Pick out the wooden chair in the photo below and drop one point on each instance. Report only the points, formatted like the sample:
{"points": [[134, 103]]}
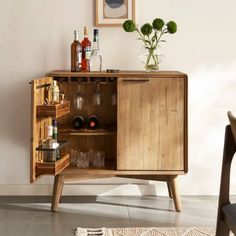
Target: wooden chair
{"points": [[226, 220]]}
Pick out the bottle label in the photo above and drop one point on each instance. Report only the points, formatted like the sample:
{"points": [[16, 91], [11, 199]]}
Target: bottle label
{"points": [[55, 96], [79, 55], [87, 52], [54, 135]]}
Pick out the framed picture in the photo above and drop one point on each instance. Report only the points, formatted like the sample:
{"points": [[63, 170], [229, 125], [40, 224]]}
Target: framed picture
{"points": [[109, 13]]}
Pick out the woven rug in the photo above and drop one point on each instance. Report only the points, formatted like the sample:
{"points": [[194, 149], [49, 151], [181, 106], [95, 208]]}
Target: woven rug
{"points": [[194, 231]]}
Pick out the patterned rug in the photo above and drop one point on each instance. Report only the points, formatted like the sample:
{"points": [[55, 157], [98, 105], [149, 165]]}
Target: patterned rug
{"points": [[194, 231]]}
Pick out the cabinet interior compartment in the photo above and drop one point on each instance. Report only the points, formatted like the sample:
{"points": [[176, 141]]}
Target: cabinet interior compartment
{"points": [[103, 138]]}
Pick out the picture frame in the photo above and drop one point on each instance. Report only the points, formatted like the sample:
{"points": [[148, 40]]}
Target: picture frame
{"points": [[113, 13]]}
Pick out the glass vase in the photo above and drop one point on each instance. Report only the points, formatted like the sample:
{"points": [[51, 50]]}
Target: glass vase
{"points": [[151, 58]]}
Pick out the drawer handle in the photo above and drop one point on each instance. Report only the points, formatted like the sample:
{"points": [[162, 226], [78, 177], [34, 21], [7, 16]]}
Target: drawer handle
{"points": [[136, 80]]}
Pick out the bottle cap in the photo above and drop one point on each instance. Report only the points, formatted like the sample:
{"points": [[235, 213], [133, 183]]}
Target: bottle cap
{"points": [[85, 31], [54, 122], [95, 31]]}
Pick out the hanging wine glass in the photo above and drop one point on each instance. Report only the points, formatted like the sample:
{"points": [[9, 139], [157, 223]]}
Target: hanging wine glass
{"points": [[79, 99], [114, 96], [97, 97]]}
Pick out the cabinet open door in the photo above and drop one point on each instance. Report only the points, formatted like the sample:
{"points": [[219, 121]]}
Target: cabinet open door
{"points": [[152, 128], [41, 118]]}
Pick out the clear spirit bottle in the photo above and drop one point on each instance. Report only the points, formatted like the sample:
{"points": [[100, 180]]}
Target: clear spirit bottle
{"points": [[96, 57]]}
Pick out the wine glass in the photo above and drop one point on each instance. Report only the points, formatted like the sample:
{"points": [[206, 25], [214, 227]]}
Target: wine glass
{"points": [[97, 97], [79, 98]]}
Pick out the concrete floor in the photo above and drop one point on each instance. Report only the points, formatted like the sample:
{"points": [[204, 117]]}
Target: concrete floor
{"points": [[35, 219]]}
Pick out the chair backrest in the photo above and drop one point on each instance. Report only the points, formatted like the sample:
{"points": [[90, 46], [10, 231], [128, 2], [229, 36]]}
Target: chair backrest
{"points": [[232, 120]]}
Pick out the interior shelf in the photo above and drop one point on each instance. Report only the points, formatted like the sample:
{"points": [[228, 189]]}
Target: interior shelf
{"points": [[101, 131]]}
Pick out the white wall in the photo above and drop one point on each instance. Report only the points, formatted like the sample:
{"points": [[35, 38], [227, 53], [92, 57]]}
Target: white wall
{"points": [[35, 37]]}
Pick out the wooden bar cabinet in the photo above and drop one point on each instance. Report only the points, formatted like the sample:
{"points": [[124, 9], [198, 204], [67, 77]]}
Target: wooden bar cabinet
{"points": [[144, 135]]}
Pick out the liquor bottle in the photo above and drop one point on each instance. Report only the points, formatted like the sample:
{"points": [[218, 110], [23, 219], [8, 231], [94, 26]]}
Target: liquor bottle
{"points": [[92, 122], [55, 92], [76, 53], [51, 143], [78, 122], [96, 57], [54, 137], [86, 51], [54, 132]]}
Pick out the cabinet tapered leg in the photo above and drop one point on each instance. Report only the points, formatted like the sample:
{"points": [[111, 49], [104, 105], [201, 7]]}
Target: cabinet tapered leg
{"points": [[57, 190], [169, 189], [176, 196]]}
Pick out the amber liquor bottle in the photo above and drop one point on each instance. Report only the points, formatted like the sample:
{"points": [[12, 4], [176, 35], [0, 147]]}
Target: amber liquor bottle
{"points": [[76, 53], [86, 51]]}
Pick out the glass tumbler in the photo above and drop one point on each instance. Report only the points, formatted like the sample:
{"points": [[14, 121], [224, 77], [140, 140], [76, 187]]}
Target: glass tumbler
{"points": [[99, 159], [83, 160]]}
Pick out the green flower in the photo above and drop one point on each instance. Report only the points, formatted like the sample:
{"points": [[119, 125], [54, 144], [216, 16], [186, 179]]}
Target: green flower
{"points": [[171, 27], [158, 23], [146, 29], [129, 26]]}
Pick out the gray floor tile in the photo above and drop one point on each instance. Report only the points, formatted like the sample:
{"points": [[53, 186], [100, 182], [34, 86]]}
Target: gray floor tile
{"points": [[105, 211], [196, 212], [20, 213], [47, 230], [13, 228], [83, 213]]}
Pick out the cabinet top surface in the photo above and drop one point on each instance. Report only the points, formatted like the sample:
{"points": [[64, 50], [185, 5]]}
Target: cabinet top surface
{"points": [[67, 73]]}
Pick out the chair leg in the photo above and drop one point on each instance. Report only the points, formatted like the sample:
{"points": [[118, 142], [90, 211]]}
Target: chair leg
{"points": [[57, 190], [221, 229], [169, 189], [176, 196]]}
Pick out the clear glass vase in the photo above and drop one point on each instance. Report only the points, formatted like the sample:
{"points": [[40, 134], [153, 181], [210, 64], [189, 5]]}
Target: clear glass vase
{"points": [[151, 58]]}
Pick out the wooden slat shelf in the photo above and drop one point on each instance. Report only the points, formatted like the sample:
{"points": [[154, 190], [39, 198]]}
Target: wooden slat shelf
{"points": [[53, 111], [53, 168], [67, 129]]}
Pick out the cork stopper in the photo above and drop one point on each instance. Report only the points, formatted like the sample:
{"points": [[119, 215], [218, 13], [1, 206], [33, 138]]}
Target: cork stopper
{"points": [[86, 31]]}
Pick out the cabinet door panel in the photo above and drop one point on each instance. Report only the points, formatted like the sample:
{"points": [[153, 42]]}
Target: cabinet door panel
{"points": [[38, 126], [151, 124]]}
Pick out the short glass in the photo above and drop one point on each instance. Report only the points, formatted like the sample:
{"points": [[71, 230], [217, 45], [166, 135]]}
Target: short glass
{"points": [[99, 159], [73, 157], [83, 160]]}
